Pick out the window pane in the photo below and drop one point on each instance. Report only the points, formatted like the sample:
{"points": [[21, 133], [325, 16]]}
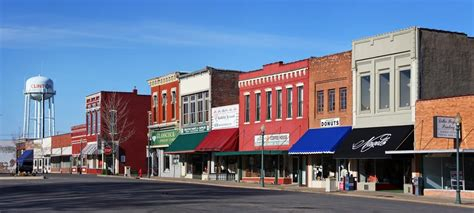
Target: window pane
{"points": [[269, 105], [343, 98], [163, 109], [193, 112], [365, 93], [200, 112], [300, 101], [405, 76], [331, 100], [289, 101], [320, 101], [247, 108], [384, 91], [258, 105], [279, 103]]}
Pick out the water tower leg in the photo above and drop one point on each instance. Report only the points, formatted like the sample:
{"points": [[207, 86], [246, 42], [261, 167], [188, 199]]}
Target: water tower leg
{"points": [[25, 119], [53, 115]]}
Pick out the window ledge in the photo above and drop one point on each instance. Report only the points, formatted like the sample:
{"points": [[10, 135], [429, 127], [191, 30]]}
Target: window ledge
{"points": [[246, 122], [299, 117], [278, 119], [289, 119], [257, 122], [268, 120]]}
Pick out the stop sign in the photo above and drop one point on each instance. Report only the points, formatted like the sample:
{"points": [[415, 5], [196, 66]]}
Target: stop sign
{"points": [[107, 150]]}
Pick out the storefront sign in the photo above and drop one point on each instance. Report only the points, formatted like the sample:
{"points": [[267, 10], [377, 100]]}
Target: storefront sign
{"points": [[165, 137], [330, 122], [364, 145], [273, 140], [225, 117], [444, 127], [195, 129]]}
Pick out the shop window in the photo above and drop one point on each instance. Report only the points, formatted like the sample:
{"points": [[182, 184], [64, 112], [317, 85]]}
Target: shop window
{"points": [[342, 98], [331, 100], [404, 92], [258, 103], [384, 91], [320, 100], [300, 101], [365, 93], [279, 104], [247, 108], [167, 162]]}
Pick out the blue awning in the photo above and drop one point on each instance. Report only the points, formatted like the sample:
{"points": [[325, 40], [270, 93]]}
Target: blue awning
{"points": [[26, 156], [319, 141]]}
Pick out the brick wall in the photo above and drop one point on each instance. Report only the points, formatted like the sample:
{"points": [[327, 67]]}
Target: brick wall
{"points": [[224, 88], [426, 109], [157, 117], [330, 72], [63, 140]]}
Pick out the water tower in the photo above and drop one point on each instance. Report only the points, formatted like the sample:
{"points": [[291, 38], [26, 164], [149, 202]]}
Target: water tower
{"points": [[39, 108]]}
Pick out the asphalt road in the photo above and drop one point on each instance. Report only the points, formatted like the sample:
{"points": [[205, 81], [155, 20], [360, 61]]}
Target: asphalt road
{"points": [[83, 193]]}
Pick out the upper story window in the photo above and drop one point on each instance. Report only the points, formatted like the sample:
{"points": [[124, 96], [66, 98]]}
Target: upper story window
{"points": [[320, 100], [247, 108], [279, 104], [200, 109], [342, 98], [365, 93], [258, 105], [269, 105], [185, 109], [289, 102], [195, 108], [173, 104], [98, 121], [405, 77], [163, 107], [206, 106], [155, 107], [331, 100], [300, 101], [150, 122], [384, 91], [88, 123]]}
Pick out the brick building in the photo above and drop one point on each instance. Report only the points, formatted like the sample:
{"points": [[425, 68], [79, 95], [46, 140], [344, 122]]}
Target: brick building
{"points": [[274, 97], [61, 153], [123, 115], [163, 124], [78, 143], [330, 115], [200, 91]]}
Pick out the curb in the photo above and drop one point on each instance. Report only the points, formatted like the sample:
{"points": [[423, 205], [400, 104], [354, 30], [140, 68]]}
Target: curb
{"points": [[315, 192], [23, 178]]}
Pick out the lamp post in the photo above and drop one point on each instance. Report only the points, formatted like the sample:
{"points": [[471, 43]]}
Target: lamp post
{"points": [[262, 172], [458, 121], [80, 158]]}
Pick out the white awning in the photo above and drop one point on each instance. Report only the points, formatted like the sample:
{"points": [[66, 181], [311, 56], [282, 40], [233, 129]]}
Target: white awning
{"points": [[56, 152], [67, 150], [90, 149], [432, 151]]}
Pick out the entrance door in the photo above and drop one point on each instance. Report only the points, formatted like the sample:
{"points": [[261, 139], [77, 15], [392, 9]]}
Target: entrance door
{"points": [[197, 166], [295, 171]]}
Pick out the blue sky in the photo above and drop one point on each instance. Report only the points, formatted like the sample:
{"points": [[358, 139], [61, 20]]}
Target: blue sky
{"points": [[88, 46]]}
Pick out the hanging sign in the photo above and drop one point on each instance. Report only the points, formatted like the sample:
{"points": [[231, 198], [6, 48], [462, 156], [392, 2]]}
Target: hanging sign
{"points": [[273, 140], [330, 122], [444, 127], [225, 117]]}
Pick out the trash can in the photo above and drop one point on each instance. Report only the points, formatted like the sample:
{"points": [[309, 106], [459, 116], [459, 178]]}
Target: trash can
{"points": [[418, 185], [126, 171]]}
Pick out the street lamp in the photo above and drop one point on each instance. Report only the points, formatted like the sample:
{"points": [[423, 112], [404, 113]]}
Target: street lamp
{"points": [[262, 172], [80, 159], [149, 155], [458, 121]]}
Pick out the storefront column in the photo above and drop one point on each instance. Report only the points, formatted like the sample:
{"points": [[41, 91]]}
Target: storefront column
{"points": [[277, 170], [239, 168]]}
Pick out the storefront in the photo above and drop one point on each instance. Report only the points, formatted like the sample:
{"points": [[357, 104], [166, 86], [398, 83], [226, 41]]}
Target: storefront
{"points": [[90, 159], [318, 145], [362, 156], [183, 151], [163, 164]]}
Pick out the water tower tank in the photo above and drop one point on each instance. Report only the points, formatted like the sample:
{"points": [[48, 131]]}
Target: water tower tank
{"points": [[38, 86]]}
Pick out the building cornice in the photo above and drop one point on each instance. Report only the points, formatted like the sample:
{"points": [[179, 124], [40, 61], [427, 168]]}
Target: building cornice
{"points": [[273, 77], [172, 77]]}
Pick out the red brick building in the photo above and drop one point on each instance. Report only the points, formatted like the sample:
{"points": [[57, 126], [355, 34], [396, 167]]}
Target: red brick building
{"points": [[129, 110], [61, 153], [276, 97], [330, 116], [78, 143]]}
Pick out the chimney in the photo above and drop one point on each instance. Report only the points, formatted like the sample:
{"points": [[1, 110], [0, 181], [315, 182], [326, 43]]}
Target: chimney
{"points": [[135, 91]]}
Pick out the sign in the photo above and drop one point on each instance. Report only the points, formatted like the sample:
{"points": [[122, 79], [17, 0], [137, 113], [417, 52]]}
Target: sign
{"points": [[195, 129], [108, 150], [273, 140], [225, 117], [380, 140], [165, 137], [122, 158], [330, 122], [444, 127]]}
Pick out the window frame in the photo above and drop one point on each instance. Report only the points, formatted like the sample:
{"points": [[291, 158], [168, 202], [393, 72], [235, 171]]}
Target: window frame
{"points": [[320, 101], [300, 96], [289, 102], [361, 76], [268, 95], [342, 99], [331, 100], [279, 97]]}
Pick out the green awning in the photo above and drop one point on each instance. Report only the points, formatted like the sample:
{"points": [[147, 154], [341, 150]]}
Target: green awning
{"points": [[257, 152], [163, 138], [186, 143]]}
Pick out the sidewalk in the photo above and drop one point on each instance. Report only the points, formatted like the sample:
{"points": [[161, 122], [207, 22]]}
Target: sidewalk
{"points": [[467, 203]]}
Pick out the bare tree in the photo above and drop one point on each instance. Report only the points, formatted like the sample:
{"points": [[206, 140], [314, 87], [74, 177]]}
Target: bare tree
{"points": [[117, 127]]}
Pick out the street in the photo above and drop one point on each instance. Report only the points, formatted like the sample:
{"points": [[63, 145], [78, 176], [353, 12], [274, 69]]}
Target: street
{"points": [[108, 194]]}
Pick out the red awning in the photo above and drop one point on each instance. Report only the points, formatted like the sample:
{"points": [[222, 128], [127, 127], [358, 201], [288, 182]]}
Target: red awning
{"points": [[220, 140]]}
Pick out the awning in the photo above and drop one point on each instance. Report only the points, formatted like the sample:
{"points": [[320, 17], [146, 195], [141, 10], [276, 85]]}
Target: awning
{"points": [[186, 143], [220, 140], [67, 150], [90, 149], [318, 141], [256, 152], [428, 151], [371, 143], [26, 156], [56, 152]]}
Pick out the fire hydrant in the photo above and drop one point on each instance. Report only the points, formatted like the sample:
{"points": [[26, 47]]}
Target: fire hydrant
{"points": [[140, 173]]}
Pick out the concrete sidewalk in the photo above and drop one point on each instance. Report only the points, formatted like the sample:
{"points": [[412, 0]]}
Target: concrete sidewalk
{"points": [[384, 195]]}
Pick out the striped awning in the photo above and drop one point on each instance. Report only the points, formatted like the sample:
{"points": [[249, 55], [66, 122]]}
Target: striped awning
{"points": [[90, 149]]}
